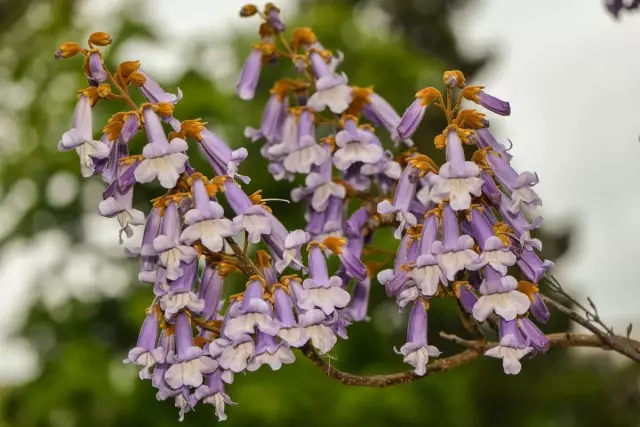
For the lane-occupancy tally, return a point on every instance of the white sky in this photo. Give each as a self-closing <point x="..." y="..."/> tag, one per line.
<point x="572" y="81"/>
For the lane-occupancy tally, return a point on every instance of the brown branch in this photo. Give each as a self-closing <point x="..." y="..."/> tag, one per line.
<point x="474" y="350"/>
<point x="622" y="345"/>
<point x="244" y="262"/>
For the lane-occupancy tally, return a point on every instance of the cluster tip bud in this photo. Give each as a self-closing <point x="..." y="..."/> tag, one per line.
<point x="100" y="39"/>
<point x="248" y="10"/>
<point x="67" y="50"/>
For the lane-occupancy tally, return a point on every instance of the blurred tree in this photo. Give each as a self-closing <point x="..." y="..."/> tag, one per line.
<point x="80" y="344"/>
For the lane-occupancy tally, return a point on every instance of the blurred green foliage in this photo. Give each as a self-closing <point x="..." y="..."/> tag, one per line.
<point x="80" y="344"/>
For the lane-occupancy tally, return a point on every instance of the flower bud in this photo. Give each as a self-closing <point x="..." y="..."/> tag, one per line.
<point x="453" y="78"/>
<point x="67" y="50"/>
<point x="104" y="90"/>
<point x="137" y="78"/>
<point x="127" y="68"/>
<point x="100" y="39"/>
<point x="164" y="109"/>
<point x="248" y="10"/>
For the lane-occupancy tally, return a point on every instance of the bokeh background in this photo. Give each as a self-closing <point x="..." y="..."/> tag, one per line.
<point x="70" y="306"/>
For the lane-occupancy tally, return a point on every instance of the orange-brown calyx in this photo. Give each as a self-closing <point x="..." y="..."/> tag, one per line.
<point x="424" y="164"/>
<point x="528" y="288"/>
<point x="137" y="78"/>
<point x="263" y="259"/>
<point x="92" y="93"/>
<point x="100" y="39"/>
<point x="302" y="36"/>
<point x="479" y="157"/>
<point x="225" y="268"/>
<point x="104" y="90"/>
<point x="345" y="117"/>
<point x="216" y="185"/>
<point x="424" y="302"/>
<point x="456" y="286"/>
<point x="266" y="31"/>
<point x="471" y="93"/>
<point x="193" y="128"/>
<point x="248" y="10"/>
<point x="437" y="211"/>
<point x="256" y="278"/>
<point x="313" y="244"/>
<point x="361" y="97"/>
<point x="453" y="78"/>
<point x="68" y="50"/>
<point x="428" y="95"/>
<point x="283" y="87"/>
<point x="269" y="7"/>
<point x="267" y="48"/>
<point x="471" y="118"/>
<point x="164" y="109"/>
<point x="125" y="69"/>
<point x="330" y="141"/>
<point x="415" y="232"/>
<point x="335" y="244"/>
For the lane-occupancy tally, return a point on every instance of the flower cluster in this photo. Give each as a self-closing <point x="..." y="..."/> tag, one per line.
<point x="462" y="226"/>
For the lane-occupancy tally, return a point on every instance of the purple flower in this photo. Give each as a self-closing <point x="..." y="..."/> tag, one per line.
<point x="97" y="72"/>
<point x="210" y="291"/>
<point x="222" y="159"/>
<point x="494" y="252"/>
<point x="414" y="114"/>
<point x="80" y="138"/>
<point x="248" y="217"/>
<point x="320" y="290"/>
<point x="427" y="273"/>
<point x="120" y="149"/>
<point x="306" y="152"/>
<point x="180" y="295"/>
<point x="405" y="192"/>
<point x="163" y="160"/>
<point x="532" y="267"/>
<point x="465" y="295"/>
<point x="534" y="336"/>
<point x="272" y="118"/>
<point x="320" y="186"/>
<point x="188" y="363"/>
<point x="250" y="74"/>
<point x="269" y="352"/>
<point x="455" y="252"/>
<point x="485" y="139"/>
<point x="154" y="93"/>
<point x="213" y="393"/>
<point x="147" y="352"/>
<point x="120" y="206"/>
<point x="539" y="309"/>
<point x="233" y="355"/>
<point x="355" y="145"/>
<point x="323" y="338"/>
<point x="289" y="331"/>
<point x="331" y="89"/>
<point x="292" y="244"/>
<point x="349" y="260"/>
<point x="206" y="222"/>
<point x="167" y="245"/>
<point x="273" y="17"/>
<point x="513" y="347"/>
<point x="499" y="296"/>
<point x="356" y="310"/>
<point x="520" y="185"/>
<point x="458" y="179"/>
<point x="416" y="351"/>
<point x="252" y="315"/>
<point x="491" y="103"/>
